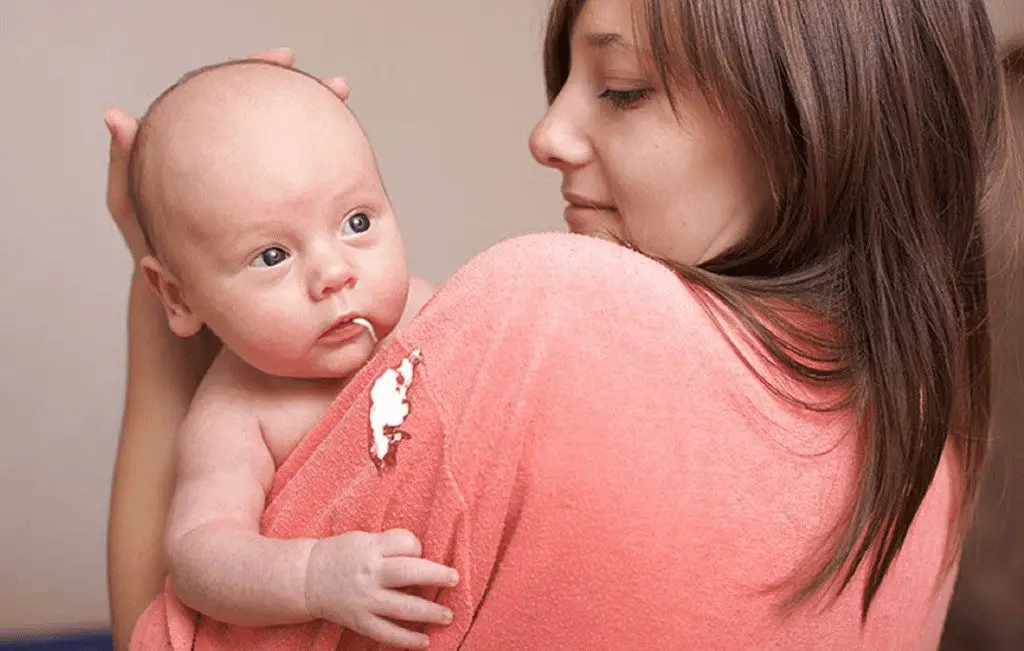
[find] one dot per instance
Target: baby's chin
(333, 364)
(340, 367)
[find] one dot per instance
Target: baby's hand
(355, 580)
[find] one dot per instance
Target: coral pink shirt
(602, 469)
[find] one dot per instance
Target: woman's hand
(123, 127)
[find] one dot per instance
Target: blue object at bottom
(93, 642)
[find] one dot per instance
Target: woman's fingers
(122, 127)
(285, 57)
(281, 55)
(339, 85)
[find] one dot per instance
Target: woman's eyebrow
(605, 40)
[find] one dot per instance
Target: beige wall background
(448, 91)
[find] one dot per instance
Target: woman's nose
(332, 275)
(558, 142)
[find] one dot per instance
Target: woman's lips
(585, 202)
(585, 219)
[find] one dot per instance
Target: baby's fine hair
(148, 215)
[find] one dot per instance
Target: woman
(776, 445)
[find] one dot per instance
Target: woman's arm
(163, 372)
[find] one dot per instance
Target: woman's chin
(593, 222)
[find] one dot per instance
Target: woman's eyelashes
(625, 99)
(355, 224)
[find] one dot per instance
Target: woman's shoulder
(565, 262)
(580, 332)
(584, 330)
(580, 280)
(595, 307)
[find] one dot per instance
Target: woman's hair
(878, 122)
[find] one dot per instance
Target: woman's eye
(356, 224)
(624, 99)
(269, 257)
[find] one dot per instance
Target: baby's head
(267, 218)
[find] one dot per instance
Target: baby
(269, 224)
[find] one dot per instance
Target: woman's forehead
(605, 16)
(607, 26)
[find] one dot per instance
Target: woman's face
(678, 186)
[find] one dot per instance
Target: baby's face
(287, 232)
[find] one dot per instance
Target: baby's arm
(221, 566)
(218, 562)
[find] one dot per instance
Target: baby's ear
(182, 321)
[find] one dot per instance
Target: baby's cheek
(378, 292)
(279, 338)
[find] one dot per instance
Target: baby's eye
(269, 257)
(356, 224)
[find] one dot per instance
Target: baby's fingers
(380, 629)
(408, 608)
(406, 571)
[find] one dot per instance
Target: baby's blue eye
(356, 224)
(269, 257)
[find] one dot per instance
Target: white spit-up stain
(366, 324)
(389, 406)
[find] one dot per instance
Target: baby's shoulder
(228, 381)
(280, 410)
(222, 396)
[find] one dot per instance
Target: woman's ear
(182, 321)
